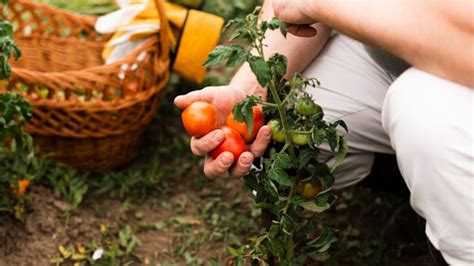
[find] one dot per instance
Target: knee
(427, 118)
(411, 118)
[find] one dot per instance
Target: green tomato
(277, 132)
(308, 190)
(299, 139)
(306, 106)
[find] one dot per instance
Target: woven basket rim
(129, 58)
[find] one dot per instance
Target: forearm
(435, 36)
(299, 51)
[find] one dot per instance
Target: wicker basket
(88, 114)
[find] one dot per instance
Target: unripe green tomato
(299, 138)
(309, 190)
(277, 132)
(306, 106)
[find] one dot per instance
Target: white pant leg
(353, 89)
(430, 123)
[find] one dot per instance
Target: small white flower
(98, 254)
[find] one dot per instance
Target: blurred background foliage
(225, 8)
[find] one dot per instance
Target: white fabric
(430, 124)
(353, 89)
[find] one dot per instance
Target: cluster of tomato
(200, 118)
(306, 107)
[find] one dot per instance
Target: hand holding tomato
(223, 98)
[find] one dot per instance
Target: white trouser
(427, 120)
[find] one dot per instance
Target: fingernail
(226, 161)
(246, 161)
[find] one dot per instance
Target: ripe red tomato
(233, 143)
(309, 190)
(241, 127)
(199, 118)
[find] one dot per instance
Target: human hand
(223, 98)
(298, 22)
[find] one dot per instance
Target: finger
(242, 166)
(182, 101)
(301, 30)
(260, 144)
(219, 167)
(202, 146)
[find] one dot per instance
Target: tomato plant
(199, 118)
(248, 131)
(293, 233)
(18, 163)
(232, 142)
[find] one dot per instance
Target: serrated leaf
(341, 153)
(279, 175)
(318, 136)
(323, 241)
(305, 156)
(283, 160)
(276, 23)
(260, 68)
(342, 124)
(326, 180)
(216, 56)
(243, 111)
(277, 246)
(312, 206)
(333, 138)
(278, 64)
(237, 56)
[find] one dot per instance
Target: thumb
(182, 101)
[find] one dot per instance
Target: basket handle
(164, 31)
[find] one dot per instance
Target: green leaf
(342, 124)
(312, 206)
(333, 138)
(305, 156)
(260, 69)
(318, 136)
(341, 153)
(243, 111)
(324, 240)
(277, 247)
(278, 65)
(237, 56)
(327, 180)
(283, 160)
(233, 55)
(279, 175)
(276, 23)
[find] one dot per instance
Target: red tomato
(199, 118)
(241, 127)
(233, 143)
